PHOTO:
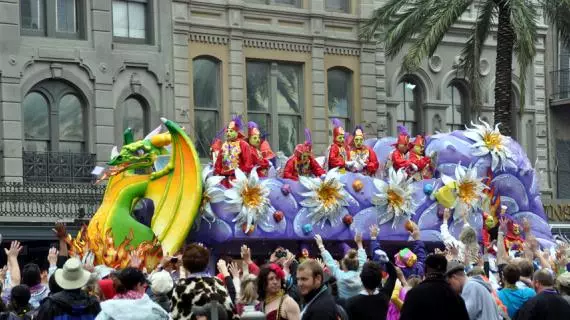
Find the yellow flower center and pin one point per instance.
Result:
(492, 140)
(328, 194)
(394, 199)
(466, 191)
(252, 196)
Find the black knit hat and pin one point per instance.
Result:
(437, 263)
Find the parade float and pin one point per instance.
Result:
(158, 194)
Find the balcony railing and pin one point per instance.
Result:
(56, 201)
(60, 167)
(560, 84)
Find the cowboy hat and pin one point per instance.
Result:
(72, 275)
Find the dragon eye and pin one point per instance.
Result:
(140, 152)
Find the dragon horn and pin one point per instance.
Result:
(308, 139)
(402, 130)
(128, 136)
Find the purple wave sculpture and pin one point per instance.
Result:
(517, 185)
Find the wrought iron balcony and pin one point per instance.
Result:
(50, 201)
(560, 84)
(59, 167)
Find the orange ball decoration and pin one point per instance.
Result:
(357, 185)
(410, 226)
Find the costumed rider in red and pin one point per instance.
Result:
(302, 162)
(417, 157)
(338, 153)
(234, 153)
(399, 156)
(362, 158)
(261, 152)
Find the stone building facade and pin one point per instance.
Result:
(240, 42)
(73, 75)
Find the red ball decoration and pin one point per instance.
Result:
(347, 219)
(357, 185)
(278, 216)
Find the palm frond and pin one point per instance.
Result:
(471, 53)
(407, 24)
(433, 32)
(524, 22)
(381, 17)
(558, 14)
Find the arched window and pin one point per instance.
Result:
(459, 114)
(409, 96)
(339, 92)
(207, 101)
(36, 122)
(54, 118)
(55, 131)
(135, 117)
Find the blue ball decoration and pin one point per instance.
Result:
(308, 228)
(428, 188)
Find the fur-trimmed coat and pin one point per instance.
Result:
(199, 291)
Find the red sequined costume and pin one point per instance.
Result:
(363, 158)
(338, 153)
(260, 154)
(513, 239)
(302, 162)
(418, 158)
(488, 225)
(234, 153)
(399, 157)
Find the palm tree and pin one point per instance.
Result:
(424, 23)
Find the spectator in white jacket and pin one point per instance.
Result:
(467, 247)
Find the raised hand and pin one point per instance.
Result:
(59, 230)
(135, 261)
(52, 257)
(234, 270)
(223, 268)
(503, 224)
(15, 249)
(3, 273)
(319, 241)
(374, 231)
(416, 233)
(526, 226)
(321, 263)
(358, 239)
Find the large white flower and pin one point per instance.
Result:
(252, 197)
(394, 198)
(212, 193)
(489, 140)
(468, 190)
(326, 199)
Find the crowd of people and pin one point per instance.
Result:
(460, 282)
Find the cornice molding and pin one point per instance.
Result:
(277, 45)
(342, 51)
(208, 38)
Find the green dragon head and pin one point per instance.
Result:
(139, 154)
